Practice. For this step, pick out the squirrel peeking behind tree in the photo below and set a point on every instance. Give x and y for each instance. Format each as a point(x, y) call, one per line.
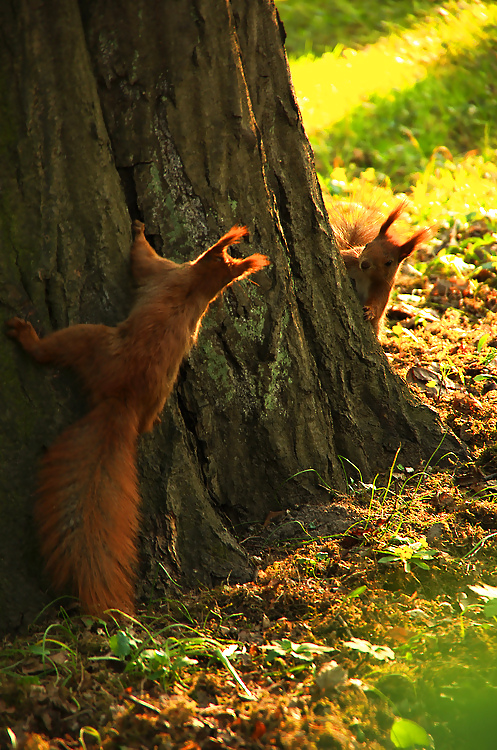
point(372, 255)
point(87, 501)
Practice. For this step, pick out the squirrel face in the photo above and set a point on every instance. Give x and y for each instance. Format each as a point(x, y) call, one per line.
point(372, 262)
point(376, 267)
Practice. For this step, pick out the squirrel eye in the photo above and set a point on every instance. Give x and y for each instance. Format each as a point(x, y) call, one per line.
point(389, 262)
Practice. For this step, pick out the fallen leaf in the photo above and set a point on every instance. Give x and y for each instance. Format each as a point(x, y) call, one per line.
point(398, 634)
point(259, 730)
point(469, 476)
point(428, 380)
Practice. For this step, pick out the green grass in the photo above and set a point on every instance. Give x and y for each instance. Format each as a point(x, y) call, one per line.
point(317, 26)
point(390, 105)
point(448, 190)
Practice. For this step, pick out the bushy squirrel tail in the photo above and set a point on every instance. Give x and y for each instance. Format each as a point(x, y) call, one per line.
point(87, 508)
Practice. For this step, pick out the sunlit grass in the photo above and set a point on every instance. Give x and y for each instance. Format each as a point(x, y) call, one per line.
point(457, 188)
point(317, 26)
point(449, 189)
point(329, 87)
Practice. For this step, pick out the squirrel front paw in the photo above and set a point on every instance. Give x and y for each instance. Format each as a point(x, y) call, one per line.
point(22, 331)
point(16, 327)
point(368, 313)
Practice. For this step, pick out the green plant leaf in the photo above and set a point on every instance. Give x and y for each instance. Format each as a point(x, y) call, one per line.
point(183, 661)
point(382, 653)
point(420, 564)
point(120, 644)
point(482, 341)
point(356, 592)
point(406, 733)
point(301, 651)
point(311, 648)
point(483, 589)
point(490, 608)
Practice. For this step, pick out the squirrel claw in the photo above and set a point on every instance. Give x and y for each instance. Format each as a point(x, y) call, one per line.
point(15, 326)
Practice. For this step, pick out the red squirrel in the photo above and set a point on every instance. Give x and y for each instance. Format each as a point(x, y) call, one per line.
point(372, 258)
point(87, 501)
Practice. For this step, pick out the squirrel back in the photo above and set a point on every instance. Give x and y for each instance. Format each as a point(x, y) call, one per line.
point(373, 266)
point(87, 507)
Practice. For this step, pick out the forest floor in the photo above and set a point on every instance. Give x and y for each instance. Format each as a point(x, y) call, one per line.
point(372, 620)
point(361, 628)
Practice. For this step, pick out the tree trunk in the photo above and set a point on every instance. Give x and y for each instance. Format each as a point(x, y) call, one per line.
point(181, 114)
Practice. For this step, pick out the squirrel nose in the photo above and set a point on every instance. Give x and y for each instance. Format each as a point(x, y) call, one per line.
point(365, 264)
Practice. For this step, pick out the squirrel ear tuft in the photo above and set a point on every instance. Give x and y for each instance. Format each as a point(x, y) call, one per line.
point(392, 216)
point(408, 247)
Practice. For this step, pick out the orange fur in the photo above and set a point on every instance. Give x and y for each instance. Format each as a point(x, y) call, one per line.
point(87, 506)
point(374, 267)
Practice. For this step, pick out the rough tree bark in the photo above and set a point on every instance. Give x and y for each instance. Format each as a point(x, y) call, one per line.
point(180, 113)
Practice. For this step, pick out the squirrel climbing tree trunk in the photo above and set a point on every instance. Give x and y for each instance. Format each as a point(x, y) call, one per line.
point(181, 115)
